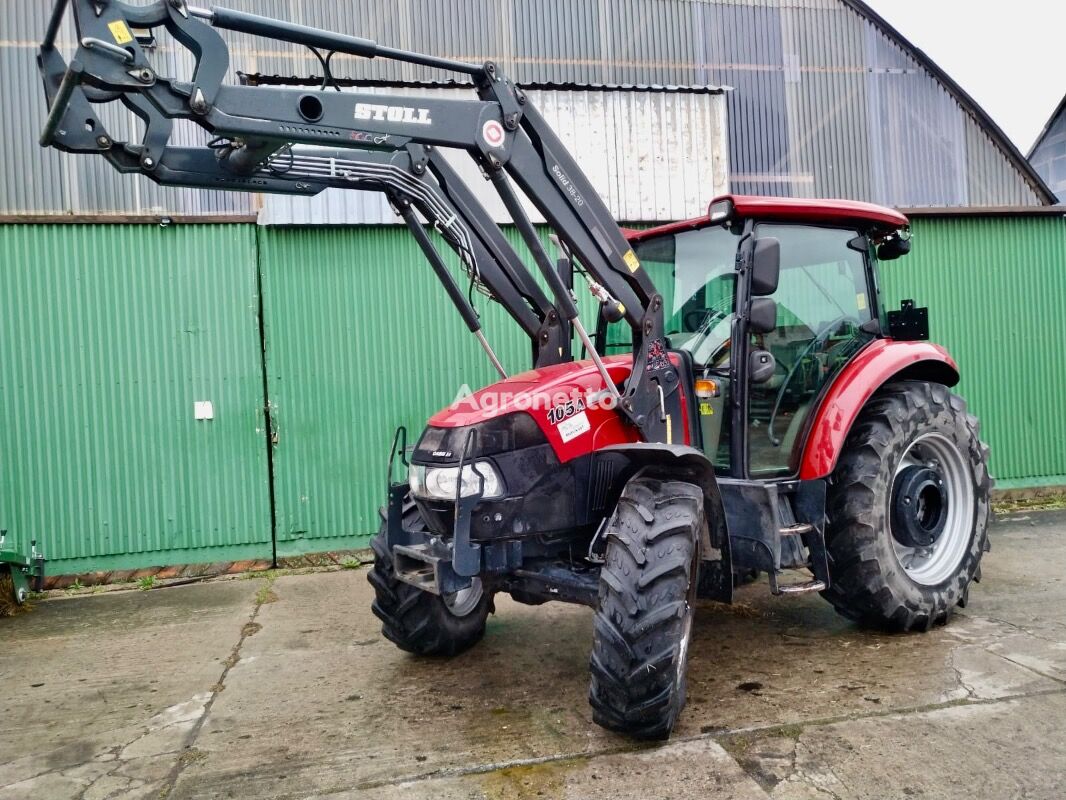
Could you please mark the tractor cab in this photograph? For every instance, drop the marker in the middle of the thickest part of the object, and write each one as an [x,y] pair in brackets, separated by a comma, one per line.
[810,302]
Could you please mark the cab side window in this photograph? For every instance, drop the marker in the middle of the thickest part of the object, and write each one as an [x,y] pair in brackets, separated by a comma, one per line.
[823,299]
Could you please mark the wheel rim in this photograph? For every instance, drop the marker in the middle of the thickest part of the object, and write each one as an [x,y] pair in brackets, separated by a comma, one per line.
[931,509]
[682,651]
[686,628]
[461,603]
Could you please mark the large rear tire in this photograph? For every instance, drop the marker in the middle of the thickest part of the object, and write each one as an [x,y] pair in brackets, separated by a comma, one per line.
[420,622]
[643,622]
[908,509]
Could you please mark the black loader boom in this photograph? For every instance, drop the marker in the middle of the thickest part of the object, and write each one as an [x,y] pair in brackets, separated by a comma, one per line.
[277,140]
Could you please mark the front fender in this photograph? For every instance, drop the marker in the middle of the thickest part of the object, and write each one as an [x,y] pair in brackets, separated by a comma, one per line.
[882,361]
[682,463]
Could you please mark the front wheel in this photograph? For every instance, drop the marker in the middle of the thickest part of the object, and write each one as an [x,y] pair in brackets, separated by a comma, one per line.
[420,622]
[908,509]
[643,621]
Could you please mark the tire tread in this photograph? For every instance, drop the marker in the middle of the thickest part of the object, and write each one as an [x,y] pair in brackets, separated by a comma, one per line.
[867,585]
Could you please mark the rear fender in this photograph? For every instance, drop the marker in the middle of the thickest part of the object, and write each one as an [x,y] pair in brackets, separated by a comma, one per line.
[881,362]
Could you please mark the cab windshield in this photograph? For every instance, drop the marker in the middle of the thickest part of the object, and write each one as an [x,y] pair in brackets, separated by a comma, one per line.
[696,273]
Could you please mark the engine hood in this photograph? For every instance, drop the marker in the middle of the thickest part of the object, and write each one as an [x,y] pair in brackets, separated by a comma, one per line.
[568,402]
[537,389]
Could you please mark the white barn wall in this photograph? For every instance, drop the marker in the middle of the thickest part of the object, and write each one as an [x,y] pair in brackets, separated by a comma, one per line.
[654,155]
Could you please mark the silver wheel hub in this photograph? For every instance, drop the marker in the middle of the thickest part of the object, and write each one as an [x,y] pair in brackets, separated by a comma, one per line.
[461,603]
[931,509]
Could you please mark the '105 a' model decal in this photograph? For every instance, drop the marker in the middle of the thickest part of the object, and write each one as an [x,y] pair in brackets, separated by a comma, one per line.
[565,410]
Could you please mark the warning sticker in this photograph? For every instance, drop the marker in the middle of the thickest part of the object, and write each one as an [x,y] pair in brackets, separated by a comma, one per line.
[860,300]
[631,261]
[120,31]
[570,429]
[493,134]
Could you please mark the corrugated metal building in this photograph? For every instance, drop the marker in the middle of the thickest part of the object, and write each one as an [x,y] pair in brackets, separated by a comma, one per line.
[829,100]
[199,392]
[1048,155]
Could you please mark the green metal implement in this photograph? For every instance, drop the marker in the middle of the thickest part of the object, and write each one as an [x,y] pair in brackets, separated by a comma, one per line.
[21,567]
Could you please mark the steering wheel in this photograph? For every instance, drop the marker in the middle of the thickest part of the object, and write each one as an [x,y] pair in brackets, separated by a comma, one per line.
[827,331]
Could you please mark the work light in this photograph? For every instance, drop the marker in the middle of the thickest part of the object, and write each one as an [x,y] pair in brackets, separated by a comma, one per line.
[439,483]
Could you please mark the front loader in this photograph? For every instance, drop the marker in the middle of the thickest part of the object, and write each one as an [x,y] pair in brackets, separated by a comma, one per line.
[744,402]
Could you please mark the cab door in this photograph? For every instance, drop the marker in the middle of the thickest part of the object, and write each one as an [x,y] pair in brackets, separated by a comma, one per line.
[825,303]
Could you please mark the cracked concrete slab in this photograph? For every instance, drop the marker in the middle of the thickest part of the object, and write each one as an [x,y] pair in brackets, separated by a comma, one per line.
[971,751]
[244,689]
[687,770]
[99,692]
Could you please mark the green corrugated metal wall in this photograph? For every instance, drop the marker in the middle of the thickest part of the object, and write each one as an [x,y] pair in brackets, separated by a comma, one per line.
[359,340]
[111,332]
[108,334]
[996,290]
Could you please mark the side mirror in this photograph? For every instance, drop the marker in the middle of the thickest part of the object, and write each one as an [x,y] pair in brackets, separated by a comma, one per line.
[761,366]
[765,267]
[763,316]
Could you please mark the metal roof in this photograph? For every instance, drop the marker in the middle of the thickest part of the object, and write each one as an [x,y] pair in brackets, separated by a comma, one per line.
[1048,154]
[830,100]
[964,99]
[259,79]
[1054,118]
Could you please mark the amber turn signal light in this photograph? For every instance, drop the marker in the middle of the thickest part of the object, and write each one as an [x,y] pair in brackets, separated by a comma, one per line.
[706,389]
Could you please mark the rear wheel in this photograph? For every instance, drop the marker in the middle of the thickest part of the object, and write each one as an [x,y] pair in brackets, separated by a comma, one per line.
[643,622]
[908,509]
[420,622]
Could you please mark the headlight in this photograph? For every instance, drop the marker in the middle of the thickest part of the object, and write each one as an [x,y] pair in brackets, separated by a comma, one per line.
[439,483]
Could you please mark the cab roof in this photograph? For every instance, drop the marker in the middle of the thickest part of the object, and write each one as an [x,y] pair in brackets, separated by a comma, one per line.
[865,216]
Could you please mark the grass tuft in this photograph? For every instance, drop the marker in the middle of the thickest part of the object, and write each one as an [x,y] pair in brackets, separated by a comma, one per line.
[1048,502]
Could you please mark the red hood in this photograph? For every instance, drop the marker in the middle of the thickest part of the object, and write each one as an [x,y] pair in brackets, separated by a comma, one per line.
[562,401]
[537,390]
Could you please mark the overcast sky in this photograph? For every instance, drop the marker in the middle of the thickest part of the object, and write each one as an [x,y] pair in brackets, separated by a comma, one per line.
[1010,56]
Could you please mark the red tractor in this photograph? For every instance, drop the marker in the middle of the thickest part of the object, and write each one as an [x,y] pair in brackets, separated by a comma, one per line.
[817,435]
[744,404]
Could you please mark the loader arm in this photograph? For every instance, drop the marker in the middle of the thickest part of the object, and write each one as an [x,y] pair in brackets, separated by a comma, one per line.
[414,177]
[259,129]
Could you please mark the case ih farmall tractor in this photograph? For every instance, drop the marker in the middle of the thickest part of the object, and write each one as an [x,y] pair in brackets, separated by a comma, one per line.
[744,404]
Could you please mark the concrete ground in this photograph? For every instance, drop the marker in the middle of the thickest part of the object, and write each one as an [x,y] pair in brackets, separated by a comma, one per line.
[284,687]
